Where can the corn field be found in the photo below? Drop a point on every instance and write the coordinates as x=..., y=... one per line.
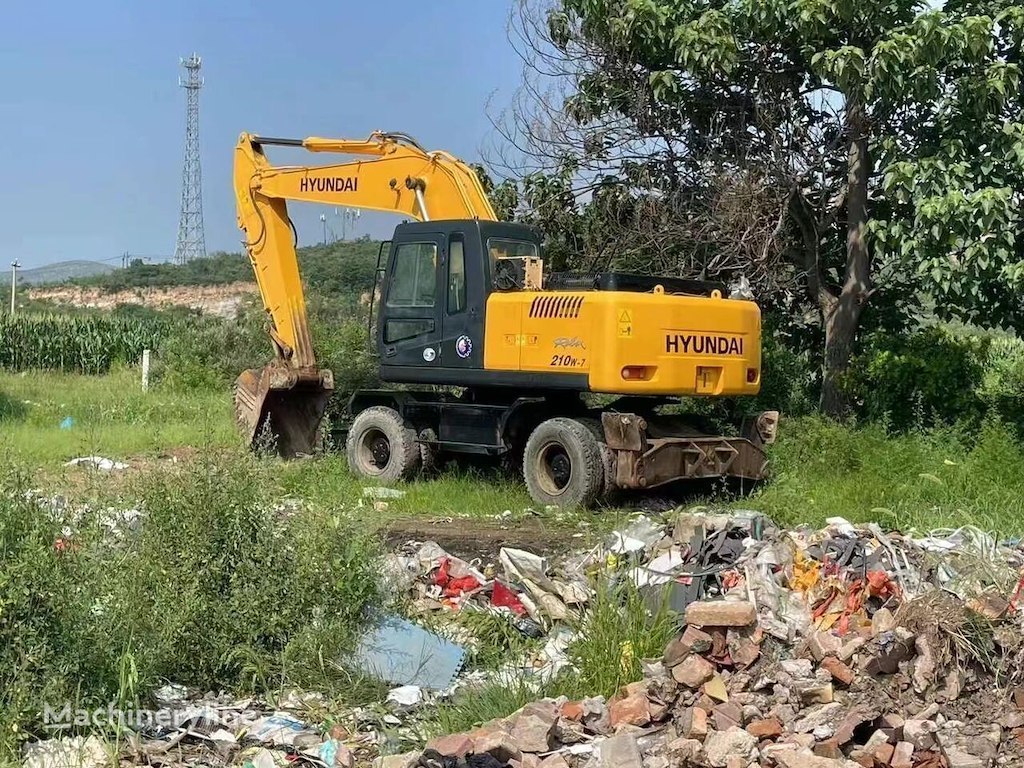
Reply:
x=74, y=344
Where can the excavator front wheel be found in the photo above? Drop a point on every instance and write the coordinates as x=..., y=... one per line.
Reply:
x=381, y=447
x=562, y=464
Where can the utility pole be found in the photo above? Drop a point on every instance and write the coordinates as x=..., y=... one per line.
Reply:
x=348, y=218
x=323, y=220
x=15, y=266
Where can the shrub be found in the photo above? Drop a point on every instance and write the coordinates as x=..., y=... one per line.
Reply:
x=210, y=352
x=216, y=588
x=1002, y=387
x=930, y=377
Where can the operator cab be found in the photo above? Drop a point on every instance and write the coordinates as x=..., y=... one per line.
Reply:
x=436, y=282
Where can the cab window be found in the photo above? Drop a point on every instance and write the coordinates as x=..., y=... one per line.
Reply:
x=503, y=248
x=413, y=277
x=456, y=275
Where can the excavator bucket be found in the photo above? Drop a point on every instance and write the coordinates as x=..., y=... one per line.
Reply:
x=282, y=407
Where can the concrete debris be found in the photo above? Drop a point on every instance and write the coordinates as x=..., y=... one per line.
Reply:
x=802, y=649
x=73, y=752
x=719, y=745
x=845, y=647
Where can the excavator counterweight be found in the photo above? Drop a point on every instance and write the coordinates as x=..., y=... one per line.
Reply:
x=465, y=303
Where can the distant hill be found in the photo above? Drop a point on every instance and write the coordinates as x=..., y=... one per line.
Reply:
x=341, y=268
x=62, y=271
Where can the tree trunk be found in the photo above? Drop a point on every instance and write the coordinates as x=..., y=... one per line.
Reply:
x=842, y=313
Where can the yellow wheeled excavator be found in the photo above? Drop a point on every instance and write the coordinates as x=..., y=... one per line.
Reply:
x=502, y=357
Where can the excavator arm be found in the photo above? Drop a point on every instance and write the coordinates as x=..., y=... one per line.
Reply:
x=394, y=174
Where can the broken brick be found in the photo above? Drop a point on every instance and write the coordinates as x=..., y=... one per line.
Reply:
x=632, y=710
x=822, y=644
x=697, y=640
x=769, y=728
x=743, y=650
x=534, y=726
x=693, y=723
x=693, y=672
x=883, y=753
x=573, y=711
x=721, y=613
x=719, y=642
x=675, y=652
x=497, y=743
x=816, y=693
x=828, y=749
x=841, y=673
x=902, y=755
x=452, y=745
x=728, y=715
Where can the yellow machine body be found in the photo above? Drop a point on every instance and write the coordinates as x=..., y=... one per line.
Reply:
x=629, y=343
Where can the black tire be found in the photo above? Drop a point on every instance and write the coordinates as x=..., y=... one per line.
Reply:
x=562, y=464
x=608, y=486
x=381, y=447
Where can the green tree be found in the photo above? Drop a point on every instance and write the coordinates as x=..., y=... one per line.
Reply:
x=883, y=139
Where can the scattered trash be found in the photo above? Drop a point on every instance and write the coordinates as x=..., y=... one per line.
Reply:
x=833, y=648
x=841, y=647
x=279, y=729
x=73, y=752
x=67, y=422
x=406, y=695
x=98, y=462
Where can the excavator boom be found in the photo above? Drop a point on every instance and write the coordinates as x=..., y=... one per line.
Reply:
x=392, y=173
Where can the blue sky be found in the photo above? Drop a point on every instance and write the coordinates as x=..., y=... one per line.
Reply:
x=92, y=119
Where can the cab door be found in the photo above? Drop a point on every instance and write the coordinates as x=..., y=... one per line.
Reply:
x=409, y=332
x=462, y=340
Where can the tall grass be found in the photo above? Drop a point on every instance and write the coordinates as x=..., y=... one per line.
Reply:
x=925, y=479
x=618, y=631
x=217, y=588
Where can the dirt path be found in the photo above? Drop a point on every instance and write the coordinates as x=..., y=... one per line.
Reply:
x=471, y=538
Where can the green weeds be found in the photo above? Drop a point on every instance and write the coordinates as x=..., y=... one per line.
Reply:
x=925, y=480
x=218, y=588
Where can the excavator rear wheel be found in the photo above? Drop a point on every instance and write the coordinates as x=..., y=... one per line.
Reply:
x=381, y=447
x=607, y=458
x=562, y=464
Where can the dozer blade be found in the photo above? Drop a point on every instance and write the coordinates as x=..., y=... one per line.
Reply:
x=282, y=407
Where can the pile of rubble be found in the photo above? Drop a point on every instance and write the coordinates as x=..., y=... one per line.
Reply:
x=844, y=647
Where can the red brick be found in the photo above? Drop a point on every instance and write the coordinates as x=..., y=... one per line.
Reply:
x=572, y=711
x=693, y=672
x=841, y=673
x=452, y=745
x=630, y=710
x=770, y=728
